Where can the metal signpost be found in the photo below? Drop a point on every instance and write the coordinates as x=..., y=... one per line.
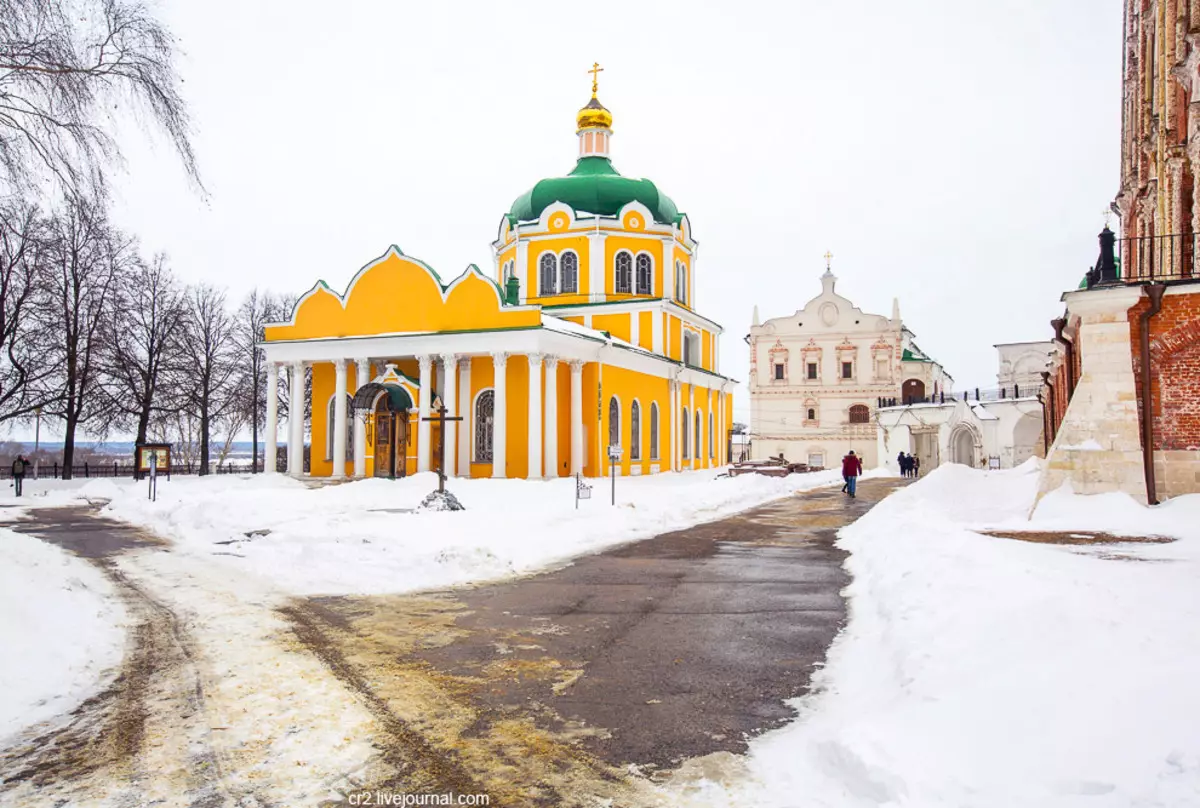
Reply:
x=153, y=475
x=582, y=490
x=614, y=454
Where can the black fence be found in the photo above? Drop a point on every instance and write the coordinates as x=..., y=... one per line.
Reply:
x=55, y=471
x=994, y=394
x=1167, y=258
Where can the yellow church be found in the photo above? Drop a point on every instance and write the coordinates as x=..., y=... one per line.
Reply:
x=583, y=338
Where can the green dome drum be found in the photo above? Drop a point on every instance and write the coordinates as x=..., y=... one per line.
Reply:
x=594, y=187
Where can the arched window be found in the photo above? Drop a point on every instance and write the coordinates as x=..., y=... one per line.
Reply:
x=568, y=273
x=614, y=422
x=812, y=414
x=349, y=428
x=547, y=274
x=635, y=432
x=684, y=434
x=860, y=414
x=485, y=405
x=624, y=274
x=681, y=282
x=654, y=431
x=508, y=272
x=697, y=434
x=710, y=435
x=645, y=274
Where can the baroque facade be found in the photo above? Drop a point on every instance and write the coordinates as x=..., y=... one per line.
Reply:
x=584, y=335
x=1123, y=392
x=818, y=376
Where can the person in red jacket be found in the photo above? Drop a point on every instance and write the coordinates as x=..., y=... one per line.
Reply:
x=851, y=468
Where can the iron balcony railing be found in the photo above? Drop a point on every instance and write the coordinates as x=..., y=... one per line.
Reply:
x=975, y=394
x=1145, y=259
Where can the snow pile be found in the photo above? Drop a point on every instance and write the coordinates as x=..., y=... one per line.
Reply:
x=370, y=537
x=61, y=631
x=993, y=672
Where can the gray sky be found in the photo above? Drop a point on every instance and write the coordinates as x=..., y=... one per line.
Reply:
x=957, y=154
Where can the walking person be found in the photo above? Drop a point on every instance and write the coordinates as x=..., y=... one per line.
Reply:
x=900, y=463
x=916, y=466
x=18, y=472
x=851, y=469
x=904, y=466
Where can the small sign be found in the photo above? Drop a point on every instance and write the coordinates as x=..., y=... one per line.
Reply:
x=614, y=451
x=993, y=463
x=582, y=490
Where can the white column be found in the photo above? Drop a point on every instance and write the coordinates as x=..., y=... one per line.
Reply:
x=296, y=419
x=596, y=266
x=271, y=451
x=339, y=419
x=522, y=266
x=423, y=450
x=362, y=377
x=722, y=436
x=500, y=415
x=550, y=465
x=535, y=416
x=450, y=399
x=468, y=414
x=690, y=426
x=672, y=424
x=635, y=327
x=576, y=417
x=656, y=328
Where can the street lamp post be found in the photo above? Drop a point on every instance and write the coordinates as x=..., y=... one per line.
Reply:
x=37, y=440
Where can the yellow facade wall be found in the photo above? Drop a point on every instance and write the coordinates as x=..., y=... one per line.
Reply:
x=615, y=324
x=646, y=330
x=474, y=303
x=706, y=350
x=629, y=386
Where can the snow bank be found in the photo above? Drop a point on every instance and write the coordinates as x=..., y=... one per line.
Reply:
x=61, y=631
x=363, y=537
x=992, y=672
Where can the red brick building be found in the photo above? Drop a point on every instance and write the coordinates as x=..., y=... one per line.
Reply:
x=1129, y=340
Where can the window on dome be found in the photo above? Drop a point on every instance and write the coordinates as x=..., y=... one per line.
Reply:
x=624, y=273
x=547, y=274
x=681, y=282
x=645, y=276
x=568, y=273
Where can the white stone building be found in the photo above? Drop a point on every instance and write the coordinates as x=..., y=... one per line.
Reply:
x=1000, y=428
x=1022, y=365
x=818, y=376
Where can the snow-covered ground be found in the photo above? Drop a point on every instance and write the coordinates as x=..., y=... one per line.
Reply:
x=989, y=672
x=61, y=631
x=365, y=537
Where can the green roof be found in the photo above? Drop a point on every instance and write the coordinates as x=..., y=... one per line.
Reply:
x=594, y=186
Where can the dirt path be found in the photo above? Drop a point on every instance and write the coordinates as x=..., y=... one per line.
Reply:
x=540, y=691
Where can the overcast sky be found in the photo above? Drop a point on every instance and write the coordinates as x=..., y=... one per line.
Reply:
x=956, y=154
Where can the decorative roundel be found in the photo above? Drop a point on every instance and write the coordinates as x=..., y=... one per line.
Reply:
x=829, y=314
x=635, y=222
x=558, y=221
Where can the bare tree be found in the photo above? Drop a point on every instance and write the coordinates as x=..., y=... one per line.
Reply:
x=23, y=371
x=64, y=64
x=141, y=345
x=85, y=257
x=210, y=362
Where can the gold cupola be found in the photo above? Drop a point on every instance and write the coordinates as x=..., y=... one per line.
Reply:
x=593, y=124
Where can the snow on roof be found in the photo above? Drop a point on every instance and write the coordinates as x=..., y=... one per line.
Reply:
x=562, y=326
x=981, y=412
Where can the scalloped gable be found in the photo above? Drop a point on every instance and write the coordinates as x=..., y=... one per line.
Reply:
x=399, y=294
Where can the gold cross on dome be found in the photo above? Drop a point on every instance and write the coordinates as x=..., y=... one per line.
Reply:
x=828, y=260
x=596, y=68
x=1107, y=216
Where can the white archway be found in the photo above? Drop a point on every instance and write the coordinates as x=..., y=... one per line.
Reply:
x=963, y=442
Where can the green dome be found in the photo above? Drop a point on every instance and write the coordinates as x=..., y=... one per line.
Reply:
x=594, y=187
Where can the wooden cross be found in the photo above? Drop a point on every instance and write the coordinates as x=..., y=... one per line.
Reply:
x=441, y=418
x=828, y=260
x=596, y=68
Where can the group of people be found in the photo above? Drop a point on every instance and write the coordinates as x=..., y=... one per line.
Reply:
x=910, y=465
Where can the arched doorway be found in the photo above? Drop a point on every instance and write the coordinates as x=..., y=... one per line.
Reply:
x=388, y=406
x=912, y=390
x=962, y=447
